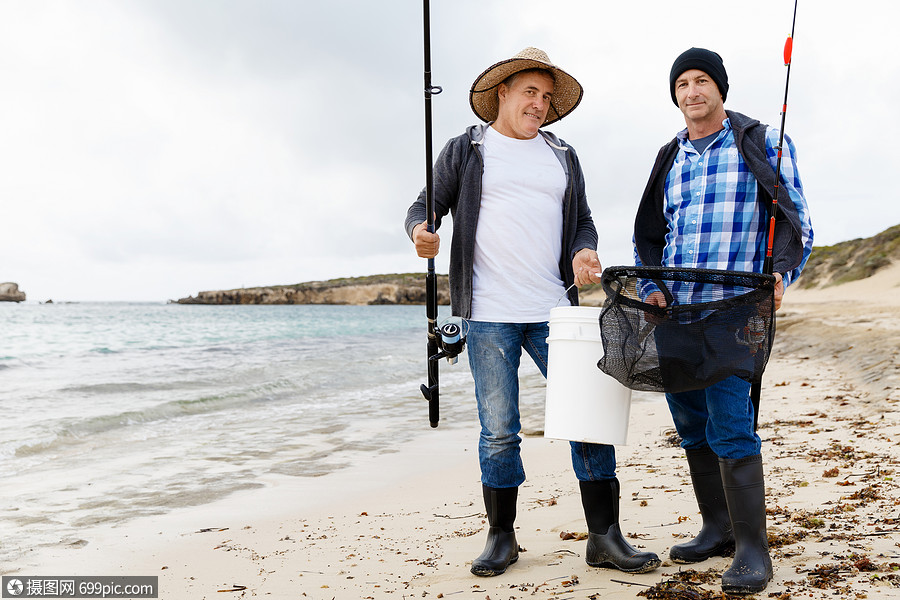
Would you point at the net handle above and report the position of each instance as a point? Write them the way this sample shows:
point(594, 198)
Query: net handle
point(752, 280)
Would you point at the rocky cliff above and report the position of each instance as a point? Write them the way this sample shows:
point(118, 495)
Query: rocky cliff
point(851, 260)
point(9, 292)
point(377, 289)
point(408, 288)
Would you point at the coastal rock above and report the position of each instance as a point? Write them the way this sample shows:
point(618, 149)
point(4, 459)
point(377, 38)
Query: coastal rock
point(381, 289)
point(9, 292)
point(370, 290)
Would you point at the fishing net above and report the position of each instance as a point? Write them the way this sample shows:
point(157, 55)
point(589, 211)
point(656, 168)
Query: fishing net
point(715, 324)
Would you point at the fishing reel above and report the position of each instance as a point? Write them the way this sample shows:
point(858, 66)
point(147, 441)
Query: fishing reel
point(451, 339)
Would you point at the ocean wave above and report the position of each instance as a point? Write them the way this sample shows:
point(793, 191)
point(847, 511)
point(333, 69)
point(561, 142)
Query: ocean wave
point(76, 432)
point(73, 431)
point(9, 362)
point(104, 350)
point(126, 387)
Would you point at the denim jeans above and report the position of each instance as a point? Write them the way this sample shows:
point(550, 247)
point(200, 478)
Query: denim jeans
point(720, 416)
point(495, 350)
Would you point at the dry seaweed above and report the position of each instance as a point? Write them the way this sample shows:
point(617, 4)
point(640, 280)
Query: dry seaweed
point(680, 590)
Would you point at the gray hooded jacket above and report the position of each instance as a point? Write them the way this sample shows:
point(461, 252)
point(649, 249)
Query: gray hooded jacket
point(457, 190)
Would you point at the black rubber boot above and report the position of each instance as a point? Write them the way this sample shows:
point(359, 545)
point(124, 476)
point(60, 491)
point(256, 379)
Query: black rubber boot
point(501, 549)
point(715, 537)
point(745, 492)
point(606, 547)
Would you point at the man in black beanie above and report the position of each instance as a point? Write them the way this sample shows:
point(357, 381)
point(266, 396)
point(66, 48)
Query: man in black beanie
point(706, 207)
point(703, 60)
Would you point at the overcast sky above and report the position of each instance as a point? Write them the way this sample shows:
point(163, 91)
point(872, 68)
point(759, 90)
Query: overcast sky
point(150, 149)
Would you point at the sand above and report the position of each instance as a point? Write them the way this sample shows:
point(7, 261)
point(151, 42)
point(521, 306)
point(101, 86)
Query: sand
point(408, 524)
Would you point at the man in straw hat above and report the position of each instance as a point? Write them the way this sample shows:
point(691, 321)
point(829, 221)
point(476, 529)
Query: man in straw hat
point(705, 206)
point(523, 238)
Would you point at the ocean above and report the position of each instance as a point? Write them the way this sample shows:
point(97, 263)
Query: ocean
point(113, 411)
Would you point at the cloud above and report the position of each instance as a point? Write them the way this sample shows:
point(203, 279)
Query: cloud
point(153, 148)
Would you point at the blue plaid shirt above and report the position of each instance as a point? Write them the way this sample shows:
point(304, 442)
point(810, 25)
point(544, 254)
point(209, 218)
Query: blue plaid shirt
point(714, 218)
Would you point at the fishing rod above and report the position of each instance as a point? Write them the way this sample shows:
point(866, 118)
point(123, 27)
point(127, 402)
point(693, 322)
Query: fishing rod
point(431, 391)
point(769, 261)
point(448, 340)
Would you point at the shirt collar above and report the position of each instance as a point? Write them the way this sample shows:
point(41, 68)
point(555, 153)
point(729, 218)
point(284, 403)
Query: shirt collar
point(682, 136)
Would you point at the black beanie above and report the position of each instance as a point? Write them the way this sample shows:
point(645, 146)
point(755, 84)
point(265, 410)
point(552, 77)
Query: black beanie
point(705, 60)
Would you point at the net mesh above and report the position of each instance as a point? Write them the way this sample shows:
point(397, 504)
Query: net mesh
point(715, 324)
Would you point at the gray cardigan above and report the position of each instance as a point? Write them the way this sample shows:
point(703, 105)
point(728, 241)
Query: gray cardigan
point(457, 190)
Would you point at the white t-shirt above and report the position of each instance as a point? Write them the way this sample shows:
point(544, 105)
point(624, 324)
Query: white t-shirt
point(518, 241)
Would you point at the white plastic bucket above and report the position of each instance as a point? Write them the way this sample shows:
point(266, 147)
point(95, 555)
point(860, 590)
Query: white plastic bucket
point(584, 404)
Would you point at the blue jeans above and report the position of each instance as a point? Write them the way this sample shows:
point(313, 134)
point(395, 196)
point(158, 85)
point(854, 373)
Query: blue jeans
point(720, 416)
point(495, 350)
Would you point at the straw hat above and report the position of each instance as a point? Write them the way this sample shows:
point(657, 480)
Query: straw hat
point(483, 95)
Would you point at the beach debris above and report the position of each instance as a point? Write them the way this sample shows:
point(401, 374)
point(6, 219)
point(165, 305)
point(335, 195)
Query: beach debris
point(672, 438)
point(807, 520)
point(562, 551)
point(685, 585)
point(211, 529)
point(786, 423)
point(234, 588)
point(866, 495)
point(839, 451)
point(695, 576)
point(778, 539)
point(467, 532)
point(630, 583)
point(827, 576)
point(572, 535)
point(641, 536)
point(679, 590)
